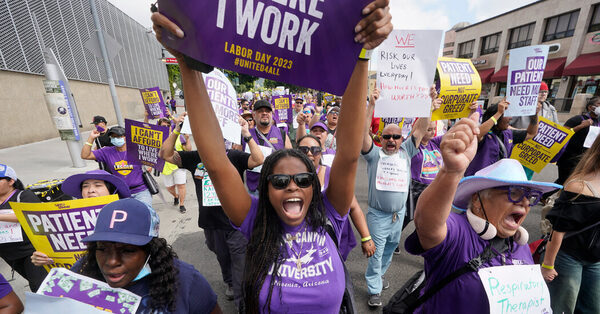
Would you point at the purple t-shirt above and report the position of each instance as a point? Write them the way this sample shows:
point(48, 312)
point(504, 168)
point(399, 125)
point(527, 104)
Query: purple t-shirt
point(425, 165)
point(319, 286)
point(466, 293)
point(118, 165)
point(5, 287)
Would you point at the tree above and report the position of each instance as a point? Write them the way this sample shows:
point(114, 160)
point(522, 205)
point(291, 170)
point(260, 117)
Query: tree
point(174, 77)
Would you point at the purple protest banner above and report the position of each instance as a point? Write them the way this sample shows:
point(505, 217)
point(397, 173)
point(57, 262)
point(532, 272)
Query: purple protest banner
point(154, 103)
point(306, 43)
point(143, 142)
point(61, 282)
point(282, 106)
point(525, 72)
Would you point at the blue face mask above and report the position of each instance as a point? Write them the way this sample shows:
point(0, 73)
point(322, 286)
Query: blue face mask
point(145, 271)
point(117, 141)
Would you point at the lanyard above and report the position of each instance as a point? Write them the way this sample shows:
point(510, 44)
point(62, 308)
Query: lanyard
point(11, 194)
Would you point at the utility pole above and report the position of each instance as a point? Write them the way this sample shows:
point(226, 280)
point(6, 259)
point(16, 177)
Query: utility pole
point(109, 76)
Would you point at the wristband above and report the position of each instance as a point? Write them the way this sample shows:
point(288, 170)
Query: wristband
point(247, 139)
point(494, 119)
point(365, 54)
point(177, 133)
point(571, 130)
point(88, 143)
point(365, 239)
point(547, 267)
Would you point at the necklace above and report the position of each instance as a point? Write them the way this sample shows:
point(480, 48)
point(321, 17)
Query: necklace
point(290, 239)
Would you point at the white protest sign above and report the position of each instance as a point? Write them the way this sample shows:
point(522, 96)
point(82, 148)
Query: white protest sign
point(405, 71)
point(515, 289)
point(591, 136)
point(209, 195)
point(266, 152)
point(392, 173)
point(43, 304)
point(224, 101)
point(525, 72)
point(10, 231)
point(185, 128)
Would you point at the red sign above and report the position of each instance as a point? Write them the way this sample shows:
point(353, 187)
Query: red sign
point(170, 60)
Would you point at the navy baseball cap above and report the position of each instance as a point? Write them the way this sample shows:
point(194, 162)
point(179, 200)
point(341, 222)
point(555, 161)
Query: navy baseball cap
point(125, 221)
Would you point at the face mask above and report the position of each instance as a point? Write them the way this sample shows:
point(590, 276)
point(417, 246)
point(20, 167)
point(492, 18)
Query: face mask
point(117, 141)
point(145, 270)
point(597, 111)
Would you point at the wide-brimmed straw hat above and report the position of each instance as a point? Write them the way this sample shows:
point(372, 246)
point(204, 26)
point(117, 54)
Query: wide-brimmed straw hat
point(502, 173)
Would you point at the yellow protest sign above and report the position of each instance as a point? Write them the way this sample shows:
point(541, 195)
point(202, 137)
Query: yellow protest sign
point(460, 86)
point(57, 228)
point(537, 152)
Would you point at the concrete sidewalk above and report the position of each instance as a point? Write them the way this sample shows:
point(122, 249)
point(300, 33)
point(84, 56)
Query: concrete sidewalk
point(50, 159)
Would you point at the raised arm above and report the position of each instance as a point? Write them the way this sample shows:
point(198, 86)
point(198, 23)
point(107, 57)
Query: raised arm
point(375, 28)
point(458, 147)
point(301, 131)
point(86, 150)
point(487, 125)
point(167, 149)
point(209, 139)
point(256, 156)
point(420, 127)
point(367, 141)
point(532, 128)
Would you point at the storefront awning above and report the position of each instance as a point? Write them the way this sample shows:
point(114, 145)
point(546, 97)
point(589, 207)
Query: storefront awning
point(485, 75)
point(554, 67)
point(585, 64)
point(500, 76)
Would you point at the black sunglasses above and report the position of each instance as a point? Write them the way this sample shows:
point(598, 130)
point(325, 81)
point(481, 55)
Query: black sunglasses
point(281, 181)
point(249, 119)
point(315, 150)
point(388, 136)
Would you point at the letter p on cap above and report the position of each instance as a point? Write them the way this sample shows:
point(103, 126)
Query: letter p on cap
point(114, 217)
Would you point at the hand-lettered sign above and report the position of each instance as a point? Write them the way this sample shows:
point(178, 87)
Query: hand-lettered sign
point(405, 72)
point(154, 103)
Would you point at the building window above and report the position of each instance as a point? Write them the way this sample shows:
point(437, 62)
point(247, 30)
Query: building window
point(521, 36)
point(595, 22)
point(446, 45)
point(465, 50)
point(489, 44)
point(561, 26)
point(448, 53)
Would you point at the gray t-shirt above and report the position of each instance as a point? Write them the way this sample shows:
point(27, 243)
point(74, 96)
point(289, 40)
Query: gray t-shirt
point(385, 200)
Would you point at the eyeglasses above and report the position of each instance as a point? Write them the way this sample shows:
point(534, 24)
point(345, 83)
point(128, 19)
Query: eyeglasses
point(249, 119)
point(517, 193)
point(388, 136)
point(281, 181)
point(315, 150)
point(299, 102)
point(543, 92)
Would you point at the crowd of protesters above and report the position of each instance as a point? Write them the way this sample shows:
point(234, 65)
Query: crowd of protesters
point(280, 230)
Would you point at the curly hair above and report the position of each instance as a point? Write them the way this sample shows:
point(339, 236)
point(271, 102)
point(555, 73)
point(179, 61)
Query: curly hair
point(266, 240)
point(163, 279)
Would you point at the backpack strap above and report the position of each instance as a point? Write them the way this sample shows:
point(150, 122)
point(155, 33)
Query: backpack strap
point(472, 265)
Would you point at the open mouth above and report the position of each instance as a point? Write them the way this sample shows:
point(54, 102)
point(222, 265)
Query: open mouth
point(514, 220)
point(293, 206)
point(390, 146)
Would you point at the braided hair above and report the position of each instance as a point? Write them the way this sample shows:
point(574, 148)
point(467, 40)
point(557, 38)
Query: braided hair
point(266, 240)
point(163, 279)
